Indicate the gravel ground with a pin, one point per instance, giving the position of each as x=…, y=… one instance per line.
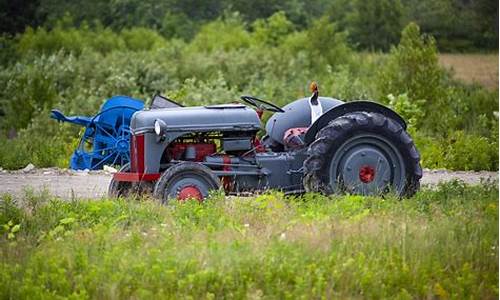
x=68, y=184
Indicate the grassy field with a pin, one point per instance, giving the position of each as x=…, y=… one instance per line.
x=439, y=244
x=473, y=68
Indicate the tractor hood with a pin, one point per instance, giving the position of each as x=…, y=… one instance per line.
x=225, y=117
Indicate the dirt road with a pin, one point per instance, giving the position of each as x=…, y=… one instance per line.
x=68, y=184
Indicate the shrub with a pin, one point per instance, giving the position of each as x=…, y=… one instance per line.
x=139, y=39
x=75, y=41
x=431, y=151
x=37, y=150
x=469, y=152
x=226, y=34
x=273, y=30
x=411, y=111
x=458, y=151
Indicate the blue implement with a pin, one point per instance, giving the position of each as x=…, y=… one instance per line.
x=106, y=139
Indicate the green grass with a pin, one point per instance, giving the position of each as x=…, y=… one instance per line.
x=441, y=243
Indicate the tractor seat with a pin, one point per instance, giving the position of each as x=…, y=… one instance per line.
x=294, y=137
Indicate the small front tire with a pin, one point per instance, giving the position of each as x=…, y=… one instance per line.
x=120, y=188
x=184, y=181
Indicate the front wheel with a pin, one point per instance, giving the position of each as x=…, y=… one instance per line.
x=120, y=188
x=186, y=180
x=363, y=153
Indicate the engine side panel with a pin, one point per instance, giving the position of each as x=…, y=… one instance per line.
x=282, y=170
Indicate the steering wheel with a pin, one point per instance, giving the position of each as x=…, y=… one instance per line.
x=261, y=104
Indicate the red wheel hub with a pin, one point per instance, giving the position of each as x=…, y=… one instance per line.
x=366, y=174
x=189, y=192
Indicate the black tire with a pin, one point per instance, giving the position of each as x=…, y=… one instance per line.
x=348, y=142
x=182, y=175
x=120, y=188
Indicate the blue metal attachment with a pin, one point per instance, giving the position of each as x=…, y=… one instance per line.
x=106, y=140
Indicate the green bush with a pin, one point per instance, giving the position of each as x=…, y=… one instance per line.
x=272, y=31
x=458, y=151
x=139, y=39
x=224, y=34
x=410, y=111
x=73, y=40
x=469, y=152
x=39, y=151
x=432, y=152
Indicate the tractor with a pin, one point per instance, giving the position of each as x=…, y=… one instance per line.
x=314, y=144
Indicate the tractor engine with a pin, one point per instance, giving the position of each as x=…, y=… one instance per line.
x=212, y=147
x=191, y=151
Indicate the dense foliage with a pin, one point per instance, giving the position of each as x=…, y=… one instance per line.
x=440, y=244
x=76, y=69
x=373, y=24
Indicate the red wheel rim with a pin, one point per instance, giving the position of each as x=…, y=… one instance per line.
x=189, y=192
x=366, y=174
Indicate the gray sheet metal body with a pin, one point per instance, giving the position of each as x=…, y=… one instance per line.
x=184, y=120
x=297, y=114
x=229, y=117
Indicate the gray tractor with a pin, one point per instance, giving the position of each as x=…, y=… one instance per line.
x=315, y=144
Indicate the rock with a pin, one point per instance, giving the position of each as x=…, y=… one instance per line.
x=109, y=169
x=81, y=172
x=30, y=167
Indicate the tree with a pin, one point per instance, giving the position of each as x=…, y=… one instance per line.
x=412, y=68
x=375, y=24
x=325, y=41
x=16, y=15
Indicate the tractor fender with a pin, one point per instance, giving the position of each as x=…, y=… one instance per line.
x=348, y=107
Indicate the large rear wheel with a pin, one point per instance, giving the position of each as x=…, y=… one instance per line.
x=363, y=153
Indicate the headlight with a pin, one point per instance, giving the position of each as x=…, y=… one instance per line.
x=160, y=128
x=157, y=127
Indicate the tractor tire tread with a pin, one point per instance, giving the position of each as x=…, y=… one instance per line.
x=315, y=166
